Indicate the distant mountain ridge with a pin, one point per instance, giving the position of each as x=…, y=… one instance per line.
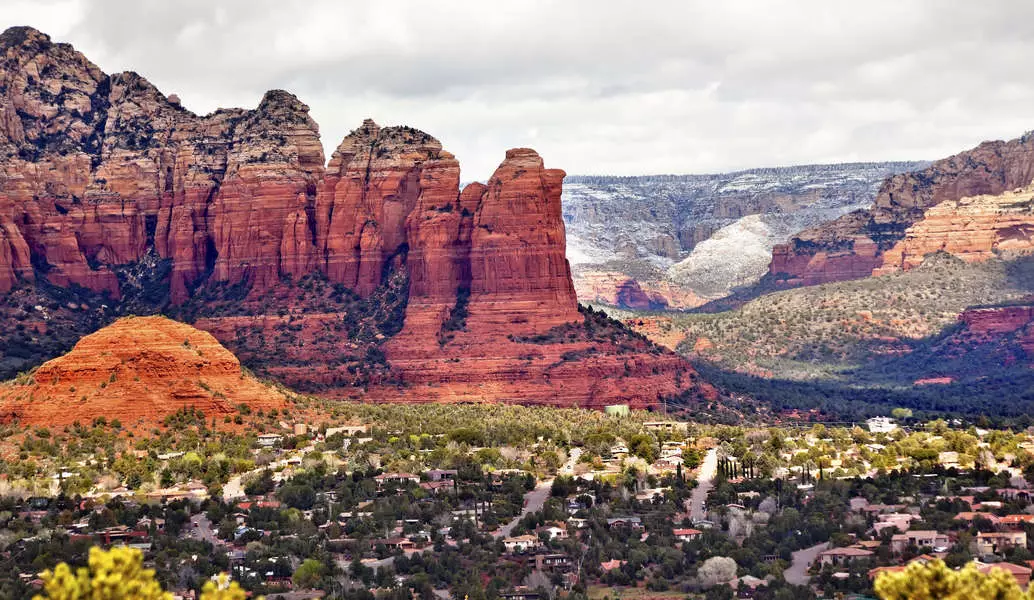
x=659, y=231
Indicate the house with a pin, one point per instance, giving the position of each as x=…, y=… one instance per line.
x=881, y=425
x=395, y=543
x=668, y=463
x=437, y=487
x=348, y=430
x=520, y=543
x=747, y=586
x=442, y=474
x=395, y=479
x=901, y=521
x=876, y=509
x=552, y=561
x=921, y=559
x=1020, y=573
x=687, y=535
x=933, y=539
x=556, y=531
x=1014, y=494
x=268, y=440
x=1014, y=520
x=843, y=556
x=948, y=459
x=970, y=516
x=630, y=522
x=666, y=425
x=520, y=593
x=1000, y=541
x=610, y=565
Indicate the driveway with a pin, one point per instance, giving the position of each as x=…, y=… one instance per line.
x=797, y=574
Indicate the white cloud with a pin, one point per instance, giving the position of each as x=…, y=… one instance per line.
x=597, y=86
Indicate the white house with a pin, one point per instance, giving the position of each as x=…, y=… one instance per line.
x=520, y=543
x=881, y=425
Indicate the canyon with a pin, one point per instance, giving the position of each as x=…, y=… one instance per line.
x=372, y=276
x=679, y=241
x=868, y=241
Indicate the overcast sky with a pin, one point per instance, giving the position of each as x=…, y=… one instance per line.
x=596, y=86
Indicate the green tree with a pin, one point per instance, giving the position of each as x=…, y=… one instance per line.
x=308, y=573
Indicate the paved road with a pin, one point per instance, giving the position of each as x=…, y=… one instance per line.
x=201, y=528
x=536, y=498
x=705, y=481
x=234, y=488
x=797, y=574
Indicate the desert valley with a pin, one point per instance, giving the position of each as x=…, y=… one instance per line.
x=236, y=364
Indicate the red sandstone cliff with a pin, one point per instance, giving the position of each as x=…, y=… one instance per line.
x=1008, y=329
x=102, y=177
x=138, y=369
x=853, y=246
x=973, y=228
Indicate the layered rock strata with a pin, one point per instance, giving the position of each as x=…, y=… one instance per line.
x=103, y=178
x=854, y=245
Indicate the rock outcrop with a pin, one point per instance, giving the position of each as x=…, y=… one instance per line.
x=99, y=168
x=854, y=245
x=974, y=229
x=313, y=274
x=507, y=327
x=138, y=370
x=618, y=289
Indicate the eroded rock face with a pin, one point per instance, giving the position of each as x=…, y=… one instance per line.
x=855, y=244
x=618, y=289
x=99, y=168
x=974, y=229
x=492, y=314
x=1007, y=330
x=137, y=370
x=103, y=178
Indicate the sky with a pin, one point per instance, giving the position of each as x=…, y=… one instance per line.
x=596, y=86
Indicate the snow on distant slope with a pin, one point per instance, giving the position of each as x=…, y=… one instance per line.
x=696, y=230
x=738, y=254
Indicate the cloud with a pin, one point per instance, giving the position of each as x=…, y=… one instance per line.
x=596, y=86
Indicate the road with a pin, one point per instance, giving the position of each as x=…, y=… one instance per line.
x=201, y=529
x=234, y=488
x=536, y=498
x=705, y=481
x=797, y=574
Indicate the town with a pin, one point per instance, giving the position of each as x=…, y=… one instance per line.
x=517, y=503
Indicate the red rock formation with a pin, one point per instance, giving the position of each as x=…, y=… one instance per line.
x=973, y=229
x=371, y=187
x=138, y=370
x=853, y=245
x=618, y=289
x=517, y=262
x=996, y=320
x=98, y=168
x=15, y=262
x=505, y=247
x=103, y=176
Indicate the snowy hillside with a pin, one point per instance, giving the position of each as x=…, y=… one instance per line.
x=706, y=233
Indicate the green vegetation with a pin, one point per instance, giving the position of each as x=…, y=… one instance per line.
x=819, y=331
